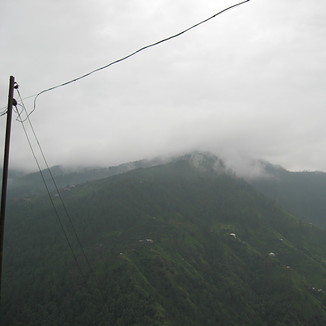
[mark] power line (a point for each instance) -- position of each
(35, 96)
(56, 186)
(49, 194)
(91, 269)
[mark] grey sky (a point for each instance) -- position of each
(248, 84)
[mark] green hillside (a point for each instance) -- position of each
(183, 243)
(302, 193)
(29, 184)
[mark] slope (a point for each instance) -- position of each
(184, 243)
(302, 193)
(30, 184)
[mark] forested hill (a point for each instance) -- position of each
(183, 243)
(303, 193)
(29, 184)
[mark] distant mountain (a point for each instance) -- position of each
(181, 243)
(30, 184)
(303, 193)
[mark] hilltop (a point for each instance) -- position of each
(180, 243)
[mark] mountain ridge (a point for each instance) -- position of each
(181, 243)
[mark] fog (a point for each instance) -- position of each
(247, 85)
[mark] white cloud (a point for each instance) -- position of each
(248, 84)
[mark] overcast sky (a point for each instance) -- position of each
(249, 84)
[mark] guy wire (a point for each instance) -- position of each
(49, 195)
(56, 186)
(91, 269)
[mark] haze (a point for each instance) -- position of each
(249, 84)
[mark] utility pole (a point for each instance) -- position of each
(5, 170)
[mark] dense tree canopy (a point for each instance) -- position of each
(170, 245)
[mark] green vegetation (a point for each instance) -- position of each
(302, 193)
(183, 243)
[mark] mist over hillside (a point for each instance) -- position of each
(302, 193)
(184, 242)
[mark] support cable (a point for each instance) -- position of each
(55, 185)
(35, 96)
(49, 194)
(91, 269)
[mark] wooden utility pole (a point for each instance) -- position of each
(5, 170)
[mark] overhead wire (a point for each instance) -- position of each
(75, 80)
(36, 96)
(3, 111)
(56, 186)
(48, 192)
(90, 267)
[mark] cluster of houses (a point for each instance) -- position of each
(271, 254)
